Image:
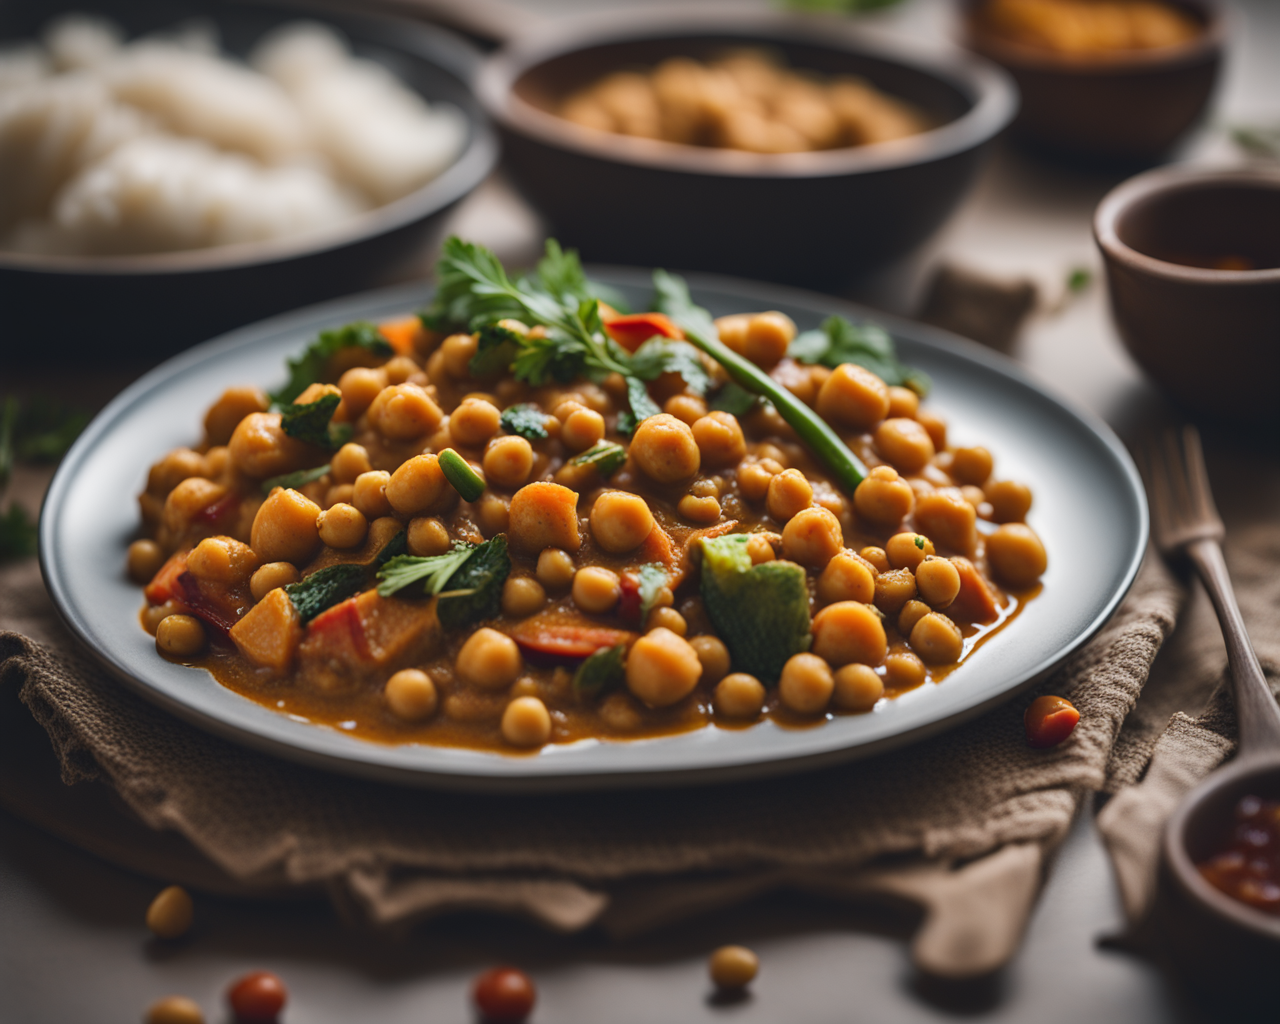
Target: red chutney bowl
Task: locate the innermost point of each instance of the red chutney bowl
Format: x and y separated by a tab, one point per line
1192	260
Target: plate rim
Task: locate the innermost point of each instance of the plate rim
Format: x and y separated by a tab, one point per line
464	777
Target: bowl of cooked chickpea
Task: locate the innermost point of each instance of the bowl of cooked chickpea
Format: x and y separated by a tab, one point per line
764	145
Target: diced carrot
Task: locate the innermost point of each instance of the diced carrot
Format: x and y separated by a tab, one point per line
975	602
631	330
163	585
402	334
270	633
563	641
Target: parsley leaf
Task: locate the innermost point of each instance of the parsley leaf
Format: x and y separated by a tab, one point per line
652	578
671	296
602	671
665	355
605	457
312	366
309	422
432	571
17	534
735	399
294	480
475	589
838	341
642	406
497	347
525	419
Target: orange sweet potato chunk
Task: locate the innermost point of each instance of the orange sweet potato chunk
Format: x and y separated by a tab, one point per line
544	515
270	632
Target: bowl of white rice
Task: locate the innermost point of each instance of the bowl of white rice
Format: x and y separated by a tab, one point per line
170	170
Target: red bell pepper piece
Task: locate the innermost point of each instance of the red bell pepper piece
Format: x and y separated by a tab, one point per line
163	585
631	330
561	641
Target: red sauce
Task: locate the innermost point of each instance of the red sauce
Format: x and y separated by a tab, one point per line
1248	868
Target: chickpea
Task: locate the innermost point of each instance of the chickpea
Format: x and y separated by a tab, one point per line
903	671
522	596
713	655
456	353
1010	502
699	510
144	560
174	1010
180	636
226	413
759	549
493	512
620	521
893	590
858	687
971	465
719	439
846	578
419	485
686	408
555	568
884	497
217	462
489	660
156	614
526	723
903	402
664	448
402	412
739	696
260	448
935	426
876	558
905	444
754	478
342	526
427	537
912	612
399	369
767	337
1016	555
950	520
360	386
349	462
662	668
667	618
937	639
938	582
975	496
849	631
177	466
508	461
733	967
223	560
812	537
411	695
806	684
853	397
369	494
733	330
284	529
907	550
171	913
789	493
596	590
271	576
474	422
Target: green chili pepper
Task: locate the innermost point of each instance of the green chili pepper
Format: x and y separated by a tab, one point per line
466	481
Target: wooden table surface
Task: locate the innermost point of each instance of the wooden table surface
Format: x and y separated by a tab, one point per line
73	947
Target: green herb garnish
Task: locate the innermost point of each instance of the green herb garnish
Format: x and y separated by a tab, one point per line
919	542
312	366
527	420
838	341
326	587
17	534
652	579
497	347
673	299
605	457
734	399
309	422
601	671
475	589
465	480
293	481
666	355
8	419
432	571
1079	279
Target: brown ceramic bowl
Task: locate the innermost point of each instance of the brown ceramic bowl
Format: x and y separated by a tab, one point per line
1128	107
815	218
1210	337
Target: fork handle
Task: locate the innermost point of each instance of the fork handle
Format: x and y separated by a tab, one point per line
1257	713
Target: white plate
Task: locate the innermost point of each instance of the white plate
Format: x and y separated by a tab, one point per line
1089	509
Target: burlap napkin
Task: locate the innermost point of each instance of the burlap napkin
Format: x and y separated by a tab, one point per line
960	825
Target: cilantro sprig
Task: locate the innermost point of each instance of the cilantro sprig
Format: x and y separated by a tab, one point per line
311	366
310	422
432	571
869	345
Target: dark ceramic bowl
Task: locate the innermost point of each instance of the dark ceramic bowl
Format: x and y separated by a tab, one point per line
1210	337
813	218
1130	107
94	305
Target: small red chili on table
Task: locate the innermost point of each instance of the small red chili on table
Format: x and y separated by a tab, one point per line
1049	721
504	995
257	998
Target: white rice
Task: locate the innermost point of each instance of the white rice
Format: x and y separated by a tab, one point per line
160	145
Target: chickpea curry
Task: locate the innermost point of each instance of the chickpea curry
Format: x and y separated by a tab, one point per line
528	517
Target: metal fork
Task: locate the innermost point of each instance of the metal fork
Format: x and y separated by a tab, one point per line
1186	522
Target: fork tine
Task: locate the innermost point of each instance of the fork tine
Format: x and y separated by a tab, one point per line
1197	475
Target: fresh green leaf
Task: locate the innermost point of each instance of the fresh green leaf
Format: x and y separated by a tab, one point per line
44	429
642	406
312	365
919	542
497	347
838	341
1258	140
761	612
652	578
432	572
666	355
17	534
671	296
465	480
605	457
734	399
475	589
294	480
309	422
8	417
527	420
1079	279
601	671
326	587
560	274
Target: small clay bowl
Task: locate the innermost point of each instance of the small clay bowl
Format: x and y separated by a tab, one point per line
1129	107
1210	337
813	218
